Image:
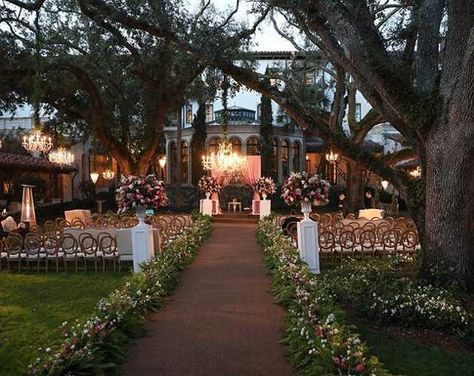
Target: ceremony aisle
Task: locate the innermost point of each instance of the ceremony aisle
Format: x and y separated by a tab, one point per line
221	320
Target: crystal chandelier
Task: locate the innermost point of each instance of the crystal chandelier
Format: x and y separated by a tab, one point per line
62	157
108	174
332	157
225	162
36	143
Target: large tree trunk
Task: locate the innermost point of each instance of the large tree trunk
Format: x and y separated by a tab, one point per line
355	185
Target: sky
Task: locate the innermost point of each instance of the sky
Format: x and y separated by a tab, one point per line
266	38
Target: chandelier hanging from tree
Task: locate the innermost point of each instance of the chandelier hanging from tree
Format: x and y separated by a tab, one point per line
225	161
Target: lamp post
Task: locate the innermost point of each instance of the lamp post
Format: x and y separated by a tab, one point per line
162	162
28	215
332	158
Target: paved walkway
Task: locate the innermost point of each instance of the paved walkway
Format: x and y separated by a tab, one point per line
221	320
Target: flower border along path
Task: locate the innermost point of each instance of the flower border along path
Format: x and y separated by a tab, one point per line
318	341
98	345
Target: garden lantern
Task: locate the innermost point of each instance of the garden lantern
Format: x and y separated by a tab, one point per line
385	184
94	176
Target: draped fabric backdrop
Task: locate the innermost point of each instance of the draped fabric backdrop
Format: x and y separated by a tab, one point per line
254	169
250	176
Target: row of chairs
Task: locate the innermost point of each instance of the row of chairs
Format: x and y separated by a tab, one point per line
51	249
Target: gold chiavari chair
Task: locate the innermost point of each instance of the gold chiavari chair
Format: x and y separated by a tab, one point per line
326	241
347	244
13	247
409	241
70	250
367	239
34	251
51	248
89	249
108	250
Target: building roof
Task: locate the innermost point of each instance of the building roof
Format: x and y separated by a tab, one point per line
28	163
235	108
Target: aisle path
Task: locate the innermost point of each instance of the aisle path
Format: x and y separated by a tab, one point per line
221	320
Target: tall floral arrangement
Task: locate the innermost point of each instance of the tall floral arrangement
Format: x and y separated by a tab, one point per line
303	187
209	184
264	185
147	191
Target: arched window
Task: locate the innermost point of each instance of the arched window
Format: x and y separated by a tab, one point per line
184	161
236	145
274	165
213	145
296	156
285	158
84	167
253	146
173	162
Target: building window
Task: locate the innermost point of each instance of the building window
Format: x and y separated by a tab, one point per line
213	145
236	145
358	114
285	158
173	162
274	165
209	112
184	161
259	111
296	156
309	77
253	146
189	113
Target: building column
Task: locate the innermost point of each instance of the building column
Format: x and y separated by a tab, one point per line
290	156
280	167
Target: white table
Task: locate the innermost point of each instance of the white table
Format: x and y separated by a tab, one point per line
234	205
371	213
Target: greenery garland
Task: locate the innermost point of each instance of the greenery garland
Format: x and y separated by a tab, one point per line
98	345
318	341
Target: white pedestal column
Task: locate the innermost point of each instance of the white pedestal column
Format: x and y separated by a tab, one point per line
206	206
142	244
265	208
308	244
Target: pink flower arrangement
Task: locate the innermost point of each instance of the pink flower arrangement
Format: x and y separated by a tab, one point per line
264	185
209	184
147	191
303	187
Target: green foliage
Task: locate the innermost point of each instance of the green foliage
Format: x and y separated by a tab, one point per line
318	340
377	289
33	306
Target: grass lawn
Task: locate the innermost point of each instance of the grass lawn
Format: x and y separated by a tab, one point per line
33	306
406	356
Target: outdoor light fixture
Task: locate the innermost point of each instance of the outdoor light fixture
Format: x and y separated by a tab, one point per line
27	205
94	177
62	157
416	173
162	161
36	143
385	184
0	143
108	174
225	161
332	157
